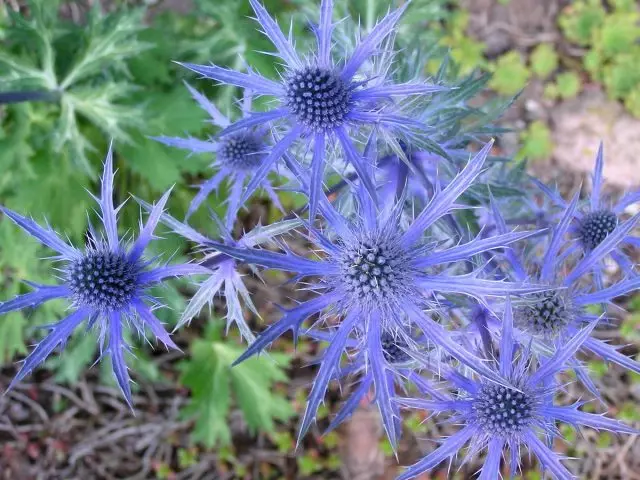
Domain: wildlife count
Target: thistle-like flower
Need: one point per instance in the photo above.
(238, 156)
(106, 283)
(224, 277)
(497, 418)
(592, 225)
(553, 316)
(377, 277)
(319, 98)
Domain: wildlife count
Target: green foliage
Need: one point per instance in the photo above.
(467, 53)
(80, 67)
(510, 74)
(580, 20)
(544, 60)
(536, 142)
(213, 384)
(568, 84)
(612, 39)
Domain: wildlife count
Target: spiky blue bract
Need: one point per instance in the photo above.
(599, 223)
(320, 99)
(549, 318)
(382, 361)
(377, 276)
(500, 418)
(105, 283)
(237, 157)
(224, 277)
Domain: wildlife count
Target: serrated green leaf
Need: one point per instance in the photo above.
(212, 382)
(108, 40)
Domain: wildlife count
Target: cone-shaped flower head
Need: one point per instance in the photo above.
(551, 317)
(106, 283)
(377, 276)
(319, 98)
(596, 222)
(237, 156)
(507, 417)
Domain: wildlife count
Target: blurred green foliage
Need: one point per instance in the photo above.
(612, 39)
(536, 142)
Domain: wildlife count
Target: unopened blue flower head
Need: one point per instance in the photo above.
(319, 98)
(106, 284)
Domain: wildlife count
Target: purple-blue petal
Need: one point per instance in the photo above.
(329, 364)
(449, 448)
(46, 236)
(291, 320)
(252, 81)
(33, 299)
(60, 333)
(117, 347)
(286, 50)
(368, 46)
(444, 200)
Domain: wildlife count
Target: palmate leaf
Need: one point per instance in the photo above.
(108, 41)
(213, 384)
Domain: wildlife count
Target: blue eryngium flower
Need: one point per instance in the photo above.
(320, 98)
(551, 317)
(510, 416)
(224, 278)
(238, 156)
(106, 283)
(377, 277)
(592, 225)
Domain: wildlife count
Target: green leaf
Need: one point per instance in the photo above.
(108, 40)
(510, 74)
(537, 144)
(632, 102)
(622, 76)
(212, 381)
(544, 60)
(568, 84)
(76, 357)
(12, 339)
(593, 62)
(581, 20)
(619, 34)
(173, 114)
